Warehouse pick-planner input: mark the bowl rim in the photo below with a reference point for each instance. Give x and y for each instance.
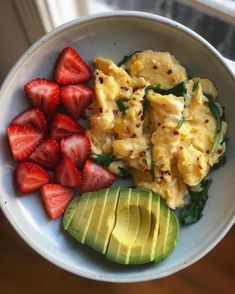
(139, 277)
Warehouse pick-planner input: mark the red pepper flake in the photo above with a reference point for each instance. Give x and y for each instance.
(133, 136)
(207, 151)
(115, 111)
(176, 133)
(137, 125)
(100, 110)
(134, 99)
(159, 124)
(124, 88)
(220, 151)
(181, 148)
(142, 117)
(101, 80)
(155, 67)
(139, 112)
(169, 71)
(206, 121)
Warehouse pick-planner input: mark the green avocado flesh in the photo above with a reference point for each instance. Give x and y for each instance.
(128, 226)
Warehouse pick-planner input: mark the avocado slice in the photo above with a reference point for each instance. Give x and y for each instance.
(145, 207)
(164, 225)
(70, 210)
(76, 227)
(133, 229)
(103, 219)
(121, 227)
(172, 236)
(149, 248)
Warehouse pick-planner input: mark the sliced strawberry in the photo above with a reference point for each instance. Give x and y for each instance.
(23, 140)
(47, 154)
(30, 177)
(95, 177)
(76, 98)
(67, 174)
(32, 118)
(71, 69)
(77, 148)
(55, 199)
(63, 126)
(43, 94)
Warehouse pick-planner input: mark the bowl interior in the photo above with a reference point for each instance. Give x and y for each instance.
(113, 37)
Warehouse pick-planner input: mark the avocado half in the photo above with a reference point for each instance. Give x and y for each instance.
(128, 226)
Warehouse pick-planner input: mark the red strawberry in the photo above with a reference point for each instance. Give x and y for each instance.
(30, 177)
(56, 198)
(23, 140)
(67, 174)
(32, 118)
(77, 148)
(76, 98)
(95, 177)
(43, 94)
(63, 126)
(71, 69)
(47, 154)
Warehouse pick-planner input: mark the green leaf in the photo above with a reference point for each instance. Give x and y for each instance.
(125, 172)
(222, 161)
(191, 213)
(121, 105)
(181, 121)
(126, 58)
(103, 159)
(216, 113)
(179, 90)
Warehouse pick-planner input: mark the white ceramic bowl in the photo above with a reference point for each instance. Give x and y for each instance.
(114, 35)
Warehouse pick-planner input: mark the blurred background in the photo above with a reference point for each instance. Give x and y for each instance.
(22, 22)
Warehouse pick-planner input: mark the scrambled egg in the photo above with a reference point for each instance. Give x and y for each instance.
(165, 140)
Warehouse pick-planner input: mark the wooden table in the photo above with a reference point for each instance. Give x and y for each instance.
(22, 271)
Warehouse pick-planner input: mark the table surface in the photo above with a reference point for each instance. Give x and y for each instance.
(23, 271)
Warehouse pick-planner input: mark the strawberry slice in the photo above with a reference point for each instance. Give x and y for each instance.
(95, 177)
(43, 94)
(47, 154)
(63, 126)
(67, 174)
(77, 148)
(32, 118)
(30, 177)
(71, 69)
(55, 199)
(76, 98)
(23, 140)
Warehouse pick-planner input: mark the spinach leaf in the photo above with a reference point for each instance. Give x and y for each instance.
(191, 213)
(215, 111)
(121, 105)
(126, 58)
(103, 159)
(181, 121)
(221, 162)
(125, 172)
(178, 90)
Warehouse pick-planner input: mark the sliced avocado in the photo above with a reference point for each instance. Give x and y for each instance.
(69, 212)
(173, 235)
(145, 206)
(149, 248)
(121, 226)
(76, 227)
(164, 224)
(133, 229)
(103, 219)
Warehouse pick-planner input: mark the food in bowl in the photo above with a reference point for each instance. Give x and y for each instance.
(148, 120)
